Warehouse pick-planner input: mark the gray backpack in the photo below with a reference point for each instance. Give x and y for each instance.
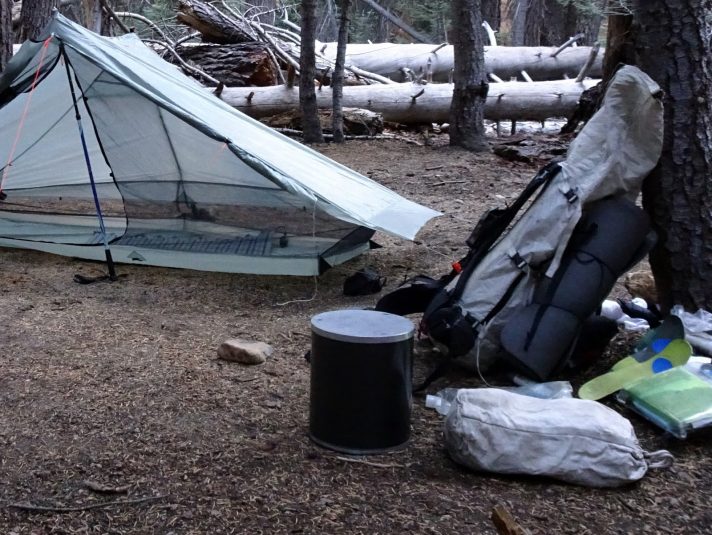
(524, 294)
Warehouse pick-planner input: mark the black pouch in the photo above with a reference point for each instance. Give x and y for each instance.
(365, 281)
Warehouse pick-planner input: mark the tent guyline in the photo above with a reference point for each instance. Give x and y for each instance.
(21, 123)
(87, 159)
(175, 176)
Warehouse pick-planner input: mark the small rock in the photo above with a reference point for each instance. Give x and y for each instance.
(244, 351)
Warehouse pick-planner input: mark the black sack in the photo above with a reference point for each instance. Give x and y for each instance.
(365, 281)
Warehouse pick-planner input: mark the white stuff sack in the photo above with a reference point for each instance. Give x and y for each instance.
(575, 440)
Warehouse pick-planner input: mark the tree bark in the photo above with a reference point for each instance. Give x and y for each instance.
(519, 10)
(241, 65)
(6, 35)
(491, 12)
(307, 69)
(213, 24)
(420, 104)
(395, 61)
(337, 80)
(562, 19)
(552, 22)
(673, 47)
(92, 15)
(35, 16)
(397, 21)
(619, 44)
(467, 128)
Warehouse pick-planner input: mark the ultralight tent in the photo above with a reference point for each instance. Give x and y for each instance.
(104, 146)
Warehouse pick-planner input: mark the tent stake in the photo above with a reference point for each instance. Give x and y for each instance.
(107, 251)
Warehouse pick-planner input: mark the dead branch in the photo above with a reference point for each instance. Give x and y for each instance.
(147, 22)
(105, 489)
(567, 44)
(273, 47)
(490, 33)
(72, 509)
(589, 62)
(106, 7)
(194, 70)
(288, 35)
(447, 182)
(387, 14)
(504, 522)
(370, 463)
(289, 23)
(368, 75)
(185, 38)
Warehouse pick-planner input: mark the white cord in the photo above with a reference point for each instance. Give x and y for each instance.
(480, 335)
(432, 250)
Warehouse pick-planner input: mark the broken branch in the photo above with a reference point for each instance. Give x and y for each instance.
(72, 509)
(567, 44)
(147, 22)
(589, 62)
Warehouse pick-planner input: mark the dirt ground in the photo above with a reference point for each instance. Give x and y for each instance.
(118, 386)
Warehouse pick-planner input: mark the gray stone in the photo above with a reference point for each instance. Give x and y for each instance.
(244, 351)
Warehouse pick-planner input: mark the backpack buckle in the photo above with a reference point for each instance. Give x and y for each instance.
(518, 260)
(571, 195)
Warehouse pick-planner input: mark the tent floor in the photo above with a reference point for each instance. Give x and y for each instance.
(224, 263)
(239, 251)
(259, 244)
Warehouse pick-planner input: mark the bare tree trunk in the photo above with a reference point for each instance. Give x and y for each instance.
(35, 16)
(6, 36)
(619, 44)
(385, 13)
(535, 22)
(491, 12)
(337, 80)
(327, 27)
(470, 94)
(307, 74)
(519, 10)
(92, 15)
(673, 47)
(562, 19)
(552, 22)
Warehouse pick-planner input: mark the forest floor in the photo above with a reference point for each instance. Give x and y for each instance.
(118, 386)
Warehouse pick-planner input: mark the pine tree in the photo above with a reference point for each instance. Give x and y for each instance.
(307, 73)
(470, 92)
(6, 36)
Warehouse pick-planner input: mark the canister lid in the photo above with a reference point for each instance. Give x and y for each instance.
(362, 326)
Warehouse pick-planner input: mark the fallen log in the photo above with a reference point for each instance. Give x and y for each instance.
(384, 62)
(397, 61)
(356, 122)
(420, 104)
(243, 65)
(213, 24)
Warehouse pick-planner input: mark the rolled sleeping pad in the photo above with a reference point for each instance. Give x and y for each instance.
(539, 337)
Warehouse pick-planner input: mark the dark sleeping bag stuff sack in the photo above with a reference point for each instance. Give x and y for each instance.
(612, 235)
